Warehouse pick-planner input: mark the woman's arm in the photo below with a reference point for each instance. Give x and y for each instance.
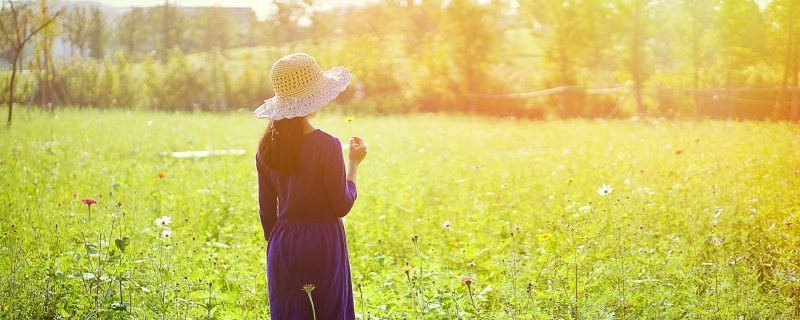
(340, 185)
(267, 199)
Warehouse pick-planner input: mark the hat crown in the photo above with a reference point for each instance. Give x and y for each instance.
(293, 73)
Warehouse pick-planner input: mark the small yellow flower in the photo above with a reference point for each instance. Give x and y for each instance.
(406, 269)
(350, 118)
(544, 236)
(308, 288)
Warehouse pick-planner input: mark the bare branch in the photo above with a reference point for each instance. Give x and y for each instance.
(42, 26)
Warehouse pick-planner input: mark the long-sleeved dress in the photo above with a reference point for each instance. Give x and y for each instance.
(306, 244)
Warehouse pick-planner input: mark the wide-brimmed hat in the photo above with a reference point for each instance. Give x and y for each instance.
(301, 87)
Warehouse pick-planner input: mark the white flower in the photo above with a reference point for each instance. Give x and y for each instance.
(605, 190)
(446, 224)
(166, 233)
(163, 221)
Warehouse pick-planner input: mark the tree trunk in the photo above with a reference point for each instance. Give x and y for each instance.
(695, 62)
(636, 68)
(11, 85)
(220, 94)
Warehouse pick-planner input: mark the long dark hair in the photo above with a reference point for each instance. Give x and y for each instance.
(279, 148)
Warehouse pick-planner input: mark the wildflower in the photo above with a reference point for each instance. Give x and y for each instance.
(406, 269)
(544, 236)
(350, 120)
(119, 204)
(446, 224)
(414, 237)
(641, 170)
(471, 264)
(74, 195)
(308, 288)
(605, 190)
(794, 172)
(163, 221)
(678, 151)
(166, 233)
(85, 154)
(467, 281)
(89, 202)
(161, 175)
(787, 223)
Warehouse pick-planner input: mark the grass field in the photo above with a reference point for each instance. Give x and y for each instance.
(701, 222)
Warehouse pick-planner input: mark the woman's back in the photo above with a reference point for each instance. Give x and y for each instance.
(320, 191)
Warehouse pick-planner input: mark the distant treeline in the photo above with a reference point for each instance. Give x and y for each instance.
(428, 55)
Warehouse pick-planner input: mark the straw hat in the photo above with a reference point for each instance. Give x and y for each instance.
(301, 87)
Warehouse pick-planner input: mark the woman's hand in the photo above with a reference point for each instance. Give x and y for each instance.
(358, 150)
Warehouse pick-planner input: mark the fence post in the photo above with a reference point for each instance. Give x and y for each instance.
(795, 103)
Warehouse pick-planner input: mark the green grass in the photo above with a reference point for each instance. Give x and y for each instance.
(698, 235)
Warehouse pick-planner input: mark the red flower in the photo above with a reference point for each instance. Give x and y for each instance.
(161, 175)
(678, 151)
(787, 223)
(89, 202)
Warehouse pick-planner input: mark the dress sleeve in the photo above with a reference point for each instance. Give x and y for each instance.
(267, 199)
(341, 192)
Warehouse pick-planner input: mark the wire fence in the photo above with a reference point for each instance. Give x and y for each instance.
(736, 102)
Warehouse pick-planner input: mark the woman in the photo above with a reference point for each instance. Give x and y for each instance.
(304, 192)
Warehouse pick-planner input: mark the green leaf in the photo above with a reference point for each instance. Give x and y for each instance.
(91, 248)
(120, 306)
(199, 295)
(122, 243)
(227, 296)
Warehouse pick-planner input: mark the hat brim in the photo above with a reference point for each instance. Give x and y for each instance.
(287, 107)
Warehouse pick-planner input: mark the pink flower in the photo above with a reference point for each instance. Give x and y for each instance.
(89, 202)
(794, 172)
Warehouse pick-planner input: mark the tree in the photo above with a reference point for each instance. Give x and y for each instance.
(692, 35)
(17, 30)
(567, 31)
(166, 27)
(741, 32)
(43, 43)
(635, 30)
(219, 34)
(214, 38)
(474, 38)
(76, 26)
(97, 33)
(131, 31)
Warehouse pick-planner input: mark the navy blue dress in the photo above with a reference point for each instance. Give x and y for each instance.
(306, 244)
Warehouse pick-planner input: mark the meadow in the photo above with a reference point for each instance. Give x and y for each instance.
(458, 217)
